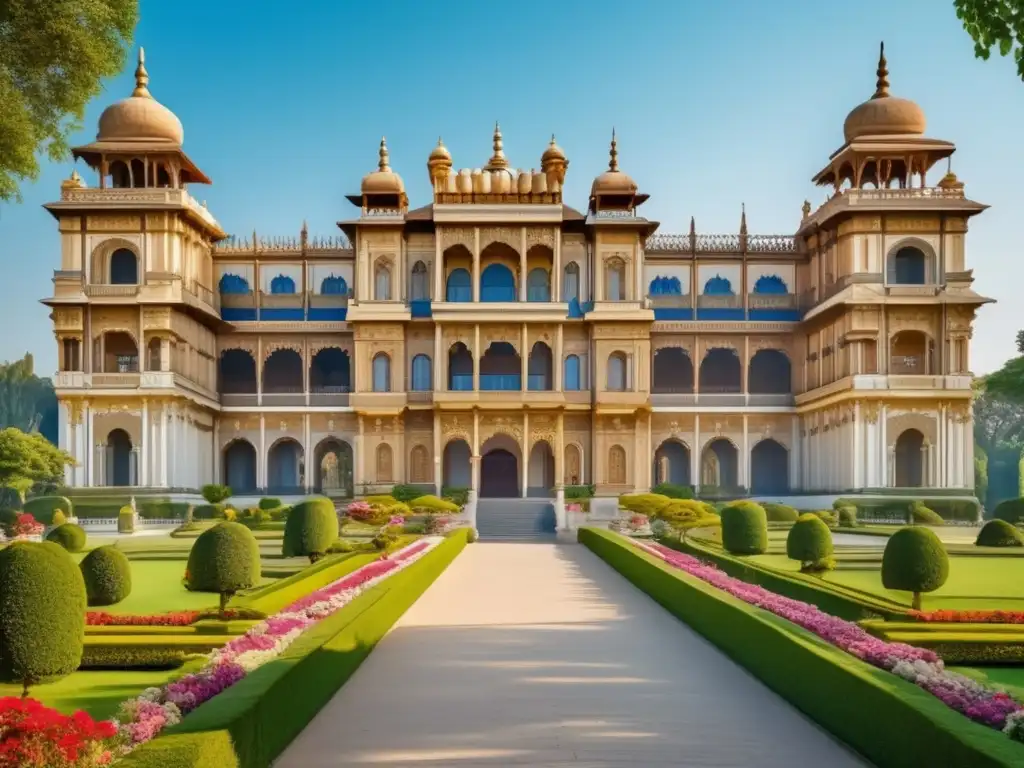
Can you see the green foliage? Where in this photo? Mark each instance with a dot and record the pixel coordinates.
(649, 504)
(342, 546)
(431, 505)
(126, 520)
(980, 473)
(107, 574)
(69, 536)
(215, 493)
(406, 493)
(920, 514)
(810, 542)
(42, 613)
(472, 536)
(994, 24)
(27, 459)
(311, 528)
(780, 513)
(455, 494)
(224, 559)
(208, 512)
(999, 533)
(847, 515)
(827, 516)
(42, 508)
(578, 492)
(58, 518)
(744, 528)
(268, 503)
(1010, 510)
(673, 490)
(8, 518)
(163, 510)
(254, 516)
(915, 561)
(387, 539)
(27, 401)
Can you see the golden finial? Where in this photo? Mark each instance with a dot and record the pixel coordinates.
(498, 159)
(882, 86)
(74, 181)
(743, 219)
(806, 208)
(141, 76)
(613, 154)
(382, 164)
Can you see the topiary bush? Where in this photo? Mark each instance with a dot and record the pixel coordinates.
(208, 512)
(472, 535)
(406, 493)
(914, 561)
(673, 490)
(225, 559)
(42, 613)
(1010, 510)
(780, 513)
(43, 508)
(455, 494)
(69, 536)
(744, 528)
(107, 575)
(58, 519)
(431, 505)
(311, 528)
(827, 516)
(999, 533)
(269, 502)
(810, 542)
(920, 514)
(649, 504)
(215, 493)
(126, 520)
(847, 515)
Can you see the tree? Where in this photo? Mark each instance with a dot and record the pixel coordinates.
(27, 401)
(994, 24)
(53, 58)
(27, 459)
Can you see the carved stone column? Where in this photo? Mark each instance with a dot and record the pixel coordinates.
(695, 454)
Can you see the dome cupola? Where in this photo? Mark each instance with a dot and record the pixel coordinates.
(140, 117)
(884, 114)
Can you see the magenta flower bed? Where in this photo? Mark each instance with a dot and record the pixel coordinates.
(922, 667)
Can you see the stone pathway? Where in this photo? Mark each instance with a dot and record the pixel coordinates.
(542, 655)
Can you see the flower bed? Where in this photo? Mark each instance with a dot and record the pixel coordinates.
(35, 736)
(145, 716)
(922, 667)
(175, 619)
(970, 617)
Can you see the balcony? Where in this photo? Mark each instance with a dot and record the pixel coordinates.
(283, 396)
(327, 396)
(116, 380)
(667, 397)
(421, 397)
(144, 198)
(97, 291)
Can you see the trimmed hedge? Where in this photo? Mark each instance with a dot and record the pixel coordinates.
(42, 613)
(886, 719)
(780, 513)
(311, 528)
(810, 542)
(431, 505)
(921, 514)
(745, 528)
(1010, 510)
(277, 595)
(406, 493)
(999, 533)
(673, 490)
(260, 715)
(915, 561)
(847, 515)
(43, 507)
(69, 536)
(648, 504)
(107, 574)
(268, 503)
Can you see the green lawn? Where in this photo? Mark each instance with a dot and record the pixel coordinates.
(1010, 679)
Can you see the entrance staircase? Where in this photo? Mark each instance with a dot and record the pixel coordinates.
(515, 519)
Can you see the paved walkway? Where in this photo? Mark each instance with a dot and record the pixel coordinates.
(542, 655)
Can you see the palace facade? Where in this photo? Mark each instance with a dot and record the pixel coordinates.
(498, 338)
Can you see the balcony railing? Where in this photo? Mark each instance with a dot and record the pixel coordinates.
(719, 302)
(772, 301)
(141, 197)
(96, 290)
(500, 382)
(115, 380)
(538, 382)
(911, 365)
(330, 396)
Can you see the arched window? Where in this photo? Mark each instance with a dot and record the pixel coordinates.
(908, 266)
(571, 380)
(419, 288)
(573, 465)
(124, 268)
(421, 374)
(119, 176)
(282, 284)
(459, 286)
(571, 283)
(234, 284)
(333, 285)
(153, 355)
(419, 465)
(617, 377)
(382, 283)
(615, 280)
(665, 286)
(381, 373)
(385, 469)
(497, 284)
(617, 465)
(538, 285)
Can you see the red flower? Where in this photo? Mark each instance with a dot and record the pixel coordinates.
(971, 617)
(35, 736)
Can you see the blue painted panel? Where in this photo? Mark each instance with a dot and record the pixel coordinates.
(238, 314)
(421, 374)
(332, 314)
(772, 284)
(461, 382)
(500, 382)
(282, 284)
(282, 313)
(459, 287)
(571, 379)
(720, 313)
(718, 286)
(665, 286)
(673, 313)
(234, 284)
(333, 286)
(420, 308)
(776, 315)
(497, 284)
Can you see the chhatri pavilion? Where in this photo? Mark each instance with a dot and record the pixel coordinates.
(499, 338)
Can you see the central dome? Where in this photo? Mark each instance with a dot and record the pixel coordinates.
(883, 114)
(613, 181)
(140, 117)
(383, 181)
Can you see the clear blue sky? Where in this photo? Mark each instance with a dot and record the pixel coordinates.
(715, 103)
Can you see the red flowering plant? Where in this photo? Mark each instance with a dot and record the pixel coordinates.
(24, 526)
(175, 619)
(35, 736)
(970, 617)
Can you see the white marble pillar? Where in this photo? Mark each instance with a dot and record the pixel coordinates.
(794, 455)
(144, 448)
(476, 264)
(883, 418)
(745, 455)
(438, 454)
(165, 425)
(556, 268)
(261, 460)
(942, 439)
(306, 455)
(88, 454)
(522, 264)
(440, 361)
(557, 363)
(215, 451)
(474, 457)
(526, 450)
(360, 459)
(524, 359)
(858, 459)
(438, 292)
(477, 354)
(695, 453)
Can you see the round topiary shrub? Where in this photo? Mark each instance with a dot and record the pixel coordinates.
(999, 533)
(431, 505)
(69, 536)
(810, 542)
(311, 528)
(224, 559)
(780, 513)
(42, 613)
(847, 515)
(126, 520)
(44, 508)
(920, 514)
(107, 574)
(269, 502)
(1010, 510)
(649, 504)
(744, 528)
(915, 561)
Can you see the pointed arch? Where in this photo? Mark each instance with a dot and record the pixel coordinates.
(422, 376)
(381, 372)
(617, 465)
(419, 465)
(419, 283)
(909, 459)
(459, 287)
(385, 464)
(573, 469)
(539, 375)
(538, 285)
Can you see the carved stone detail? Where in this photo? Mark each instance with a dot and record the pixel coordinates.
(457, 427)
(507, 235)
(67, 319)
(540, 236)
(456, 236)
(493, 425)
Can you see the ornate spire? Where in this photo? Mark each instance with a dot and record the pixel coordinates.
(382, 164)
(613, 154)
(882, 86)
(74, 181)
(498, 160)
(806, 208)
(743, 219)
(693, 226)
(142, 77)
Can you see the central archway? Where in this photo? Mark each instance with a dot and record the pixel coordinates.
(499, 468)
(333, 467)
(672, 463)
